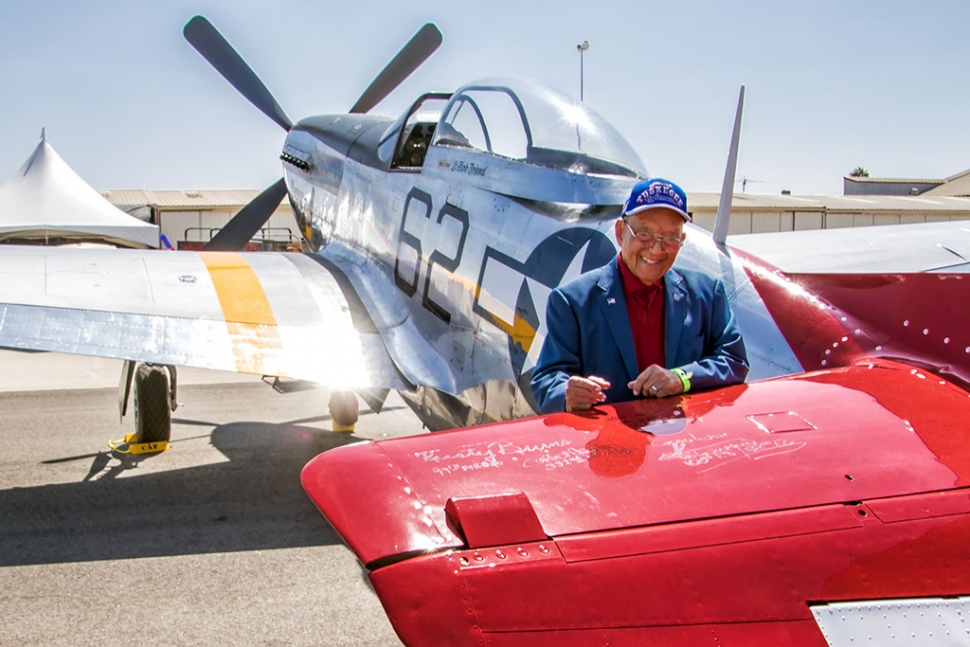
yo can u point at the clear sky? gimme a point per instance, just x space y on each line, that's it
831 84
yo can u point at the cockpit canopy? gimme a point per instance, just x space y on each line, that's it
516 119
521 120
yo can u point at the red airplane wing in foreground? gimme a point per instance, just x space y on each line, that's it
726 517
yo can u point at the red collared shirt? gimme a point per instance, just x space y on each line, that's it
645 307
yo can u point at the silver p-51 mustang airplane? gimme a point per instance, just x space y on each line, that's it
434 240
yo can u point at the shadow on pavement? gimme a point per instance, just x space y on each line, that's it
253 502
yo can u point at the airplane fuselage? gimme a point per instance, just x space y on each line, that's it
462 252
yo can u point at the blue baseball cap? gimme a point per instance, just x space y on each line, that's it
654 194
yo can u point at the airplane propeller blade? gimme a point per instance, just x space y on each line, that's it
247 222
411 56
214 48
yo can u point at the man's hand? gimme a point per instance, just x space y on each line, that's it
585 392
656 382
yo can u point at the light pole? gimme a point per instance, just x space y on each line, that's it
581 48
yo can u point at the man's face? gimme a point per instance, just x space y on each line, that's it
649 259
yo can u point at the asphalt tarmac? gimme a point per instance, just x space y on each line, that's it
213 542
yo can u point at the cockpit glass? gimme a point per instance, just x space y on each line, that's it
502 134
521 120
408 137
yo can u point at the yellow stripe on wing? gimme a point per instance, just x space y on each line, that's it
255 339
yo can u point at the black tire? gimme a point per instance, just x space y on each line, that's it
153 417
344 409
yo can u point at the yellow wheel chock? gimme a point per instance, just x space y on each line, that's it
137 448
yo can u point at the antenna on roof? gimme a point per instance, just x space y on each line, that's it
43 135
745 181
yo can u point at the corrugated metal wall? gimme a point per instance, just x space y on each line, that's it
756 223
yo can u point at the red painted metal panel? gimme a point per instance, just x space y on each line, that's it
909 317
767 634
922 506
494 520
370 504
811 329
685 521
712 532
742 591
919 558
834 320
427 603
873 437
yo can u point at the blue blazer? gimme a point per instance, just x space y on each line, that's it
588 333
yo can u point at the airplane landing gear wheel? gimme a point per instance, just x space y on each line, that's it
153 413
344 410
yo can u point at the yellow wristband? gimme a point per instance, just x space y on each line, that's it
684 378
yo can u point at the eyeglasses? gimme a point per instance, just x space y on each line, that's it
648 239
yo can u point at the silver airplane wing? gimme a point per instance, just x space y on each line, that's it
280 314
889 249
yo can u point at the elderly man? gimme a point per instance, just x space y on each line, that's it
637 327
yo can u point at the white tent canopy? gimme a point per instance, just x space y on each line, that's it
45 200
